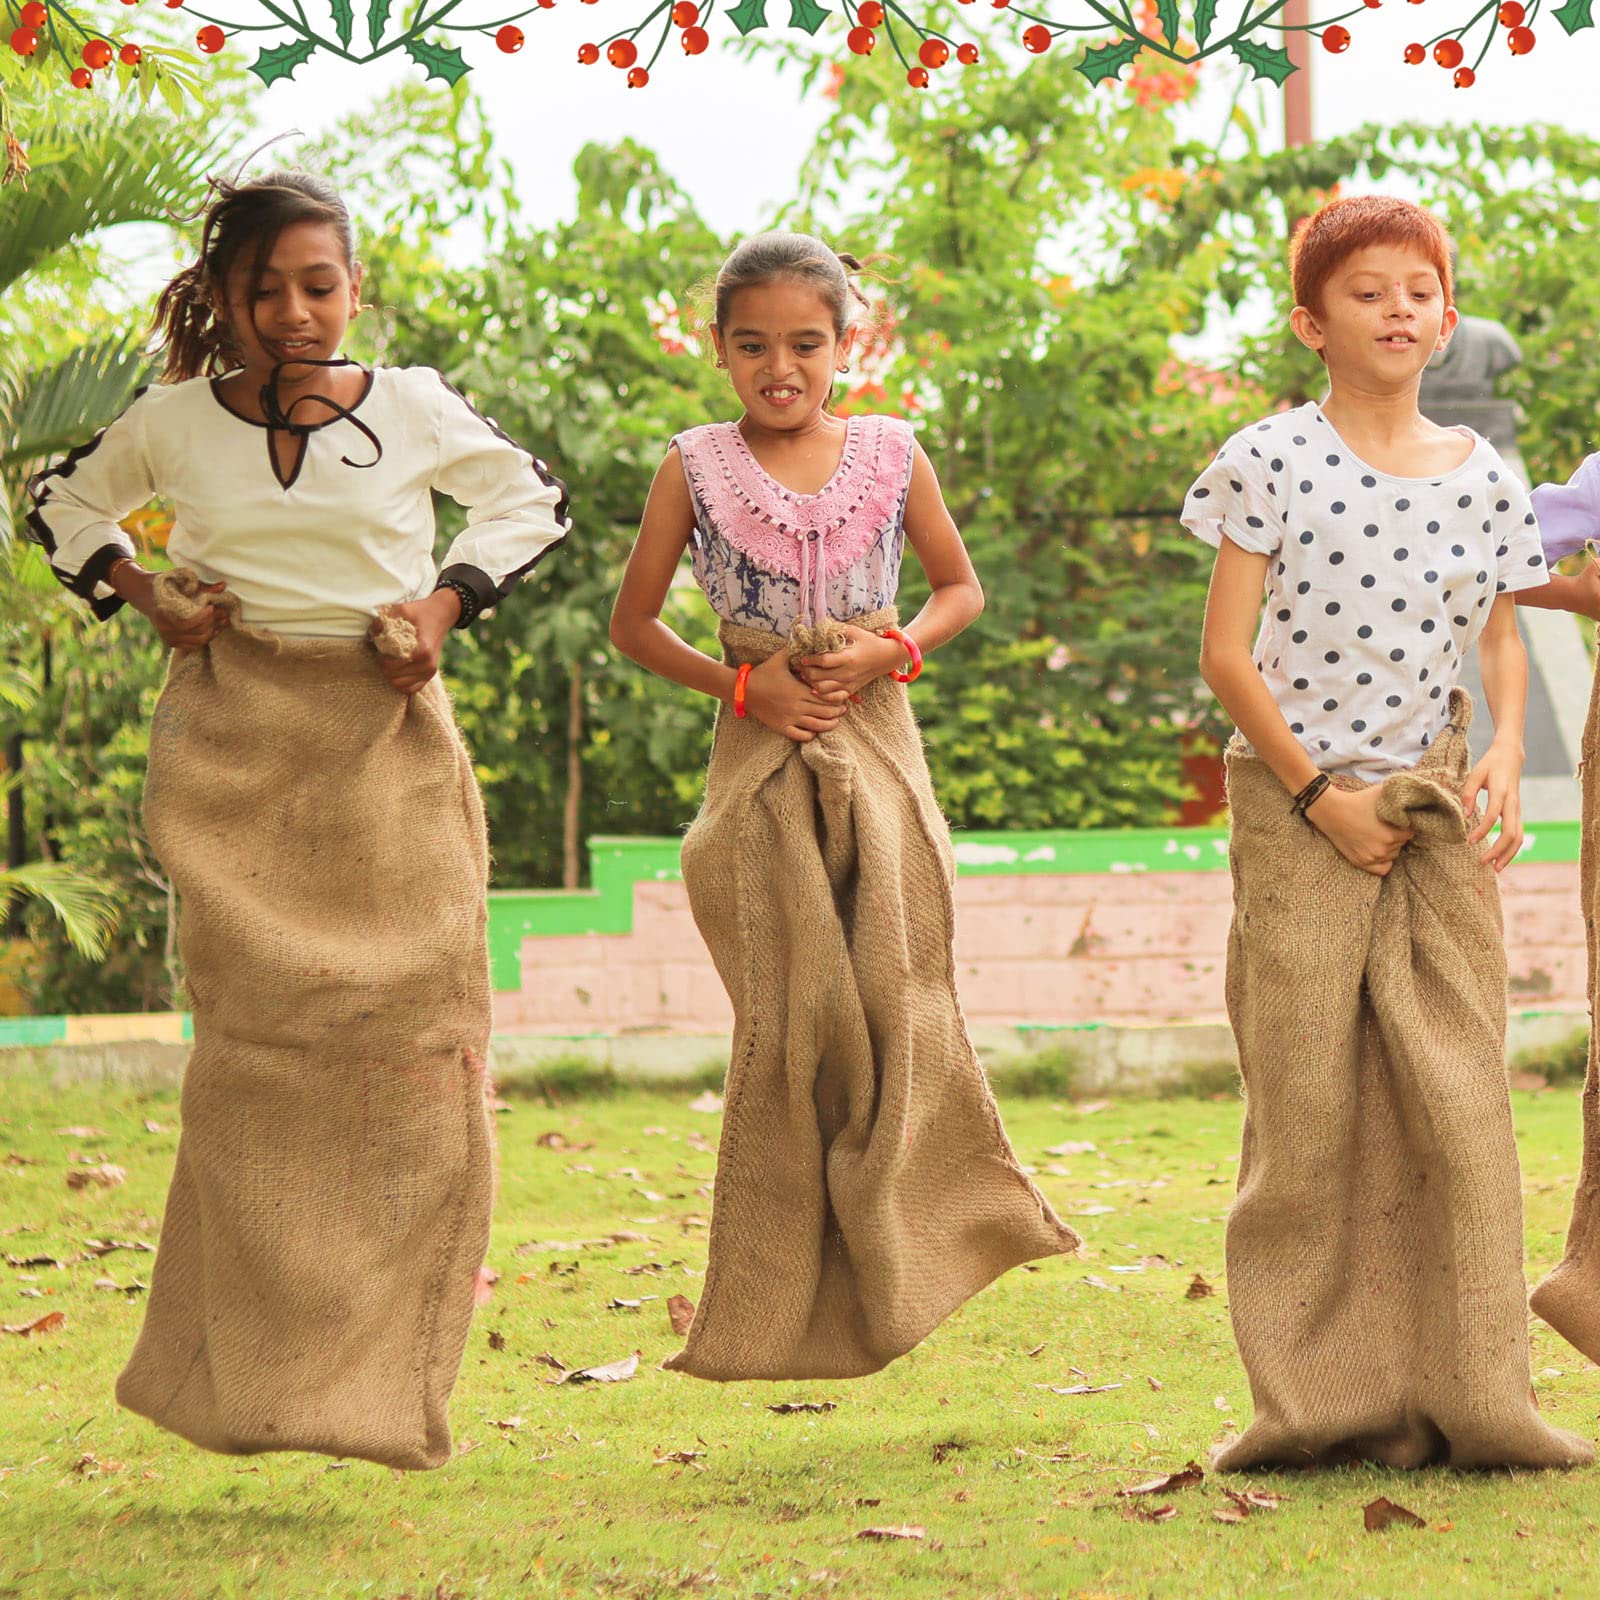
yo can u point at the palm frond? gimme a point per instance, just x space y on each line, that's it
87 909
95 167
59 406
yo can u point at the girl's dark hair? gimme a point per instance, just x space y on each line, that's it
242 219
766 256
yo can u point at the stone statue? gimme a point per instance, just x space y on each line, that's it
1458 384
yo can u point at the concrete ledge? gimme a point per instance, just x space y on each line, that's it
1096 1058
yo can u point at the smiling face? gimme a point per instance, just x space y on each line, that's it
782 352
301 304
1381 317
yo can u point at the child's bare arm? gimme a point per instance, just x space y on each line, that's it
956 601
1579 594
1503 662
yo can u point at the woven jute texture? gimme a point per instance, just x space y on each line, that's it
1569 1299
330 1206
865 1187
1374 1251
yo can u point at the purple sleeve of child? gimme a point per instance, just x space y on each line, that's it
1569 513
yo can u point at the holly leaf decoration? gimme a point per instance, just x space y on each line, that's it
1205 13
1575 15
1167 10
806 14
377 20
1107 60
1264 60
749 14
280 60
438 60
344 19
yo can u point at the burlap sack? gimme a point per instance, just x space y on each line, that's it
1374 1252
330 1206
1569 1298
865 1187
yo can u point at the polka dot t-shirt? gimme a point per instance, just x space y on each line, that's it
1376 586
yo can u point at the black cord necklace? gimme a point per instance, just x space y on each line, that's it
277 417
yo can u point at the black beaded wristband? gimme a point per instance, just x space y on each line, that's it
468 597
1311 793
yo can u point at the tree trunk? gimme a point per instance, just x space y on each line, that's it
570 859
16 829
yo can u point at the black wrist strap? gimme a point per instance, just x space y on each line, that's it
1310 793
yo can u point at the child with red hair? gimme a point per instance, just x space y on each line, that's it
1374 1250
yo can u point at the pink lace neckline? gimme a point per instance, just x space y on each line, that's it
846 457
757 515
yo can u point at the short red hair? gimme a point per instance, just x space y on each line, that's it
1324 241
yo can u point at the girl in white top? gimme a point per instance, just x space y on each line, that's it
301 482
314 806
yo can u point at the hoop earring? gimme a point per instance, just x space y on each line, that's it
845 368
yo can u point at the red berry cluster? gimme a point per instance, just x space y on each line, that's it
932 53
38 16
1450 53
623 53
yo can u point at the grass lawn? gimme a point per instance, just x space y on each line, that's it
571 1490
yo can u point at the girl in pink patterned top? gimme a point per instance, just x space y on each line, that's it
864 1184
791 514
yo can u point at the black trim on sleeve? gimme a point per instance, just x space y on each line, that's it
503 589
478 581
93 572
38 530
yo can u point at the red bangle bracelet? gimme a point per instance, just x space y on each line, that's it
909 645
740 709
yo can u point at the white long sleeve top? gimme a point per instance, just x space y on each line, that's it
349 531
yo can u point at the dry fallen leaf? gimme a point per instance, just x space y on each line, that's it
1185 1478
1089 1107
785 1408
1037 1350
1230 1513
680 1458
707 1102
612 1372
552 1141
1073 1147
81 1133
497 1340
1084 1388
104 1247
106 1177
1155 1383
483 1286
630 1305
90 1466
154 1127
1100 1283
680 1313
949 1447
25 1262
50 1322
906 1531
1384 1513
1198 1289
1144 1513
507 1424
132 1286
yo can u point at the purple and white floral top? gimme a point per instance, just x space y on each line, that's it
768 557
